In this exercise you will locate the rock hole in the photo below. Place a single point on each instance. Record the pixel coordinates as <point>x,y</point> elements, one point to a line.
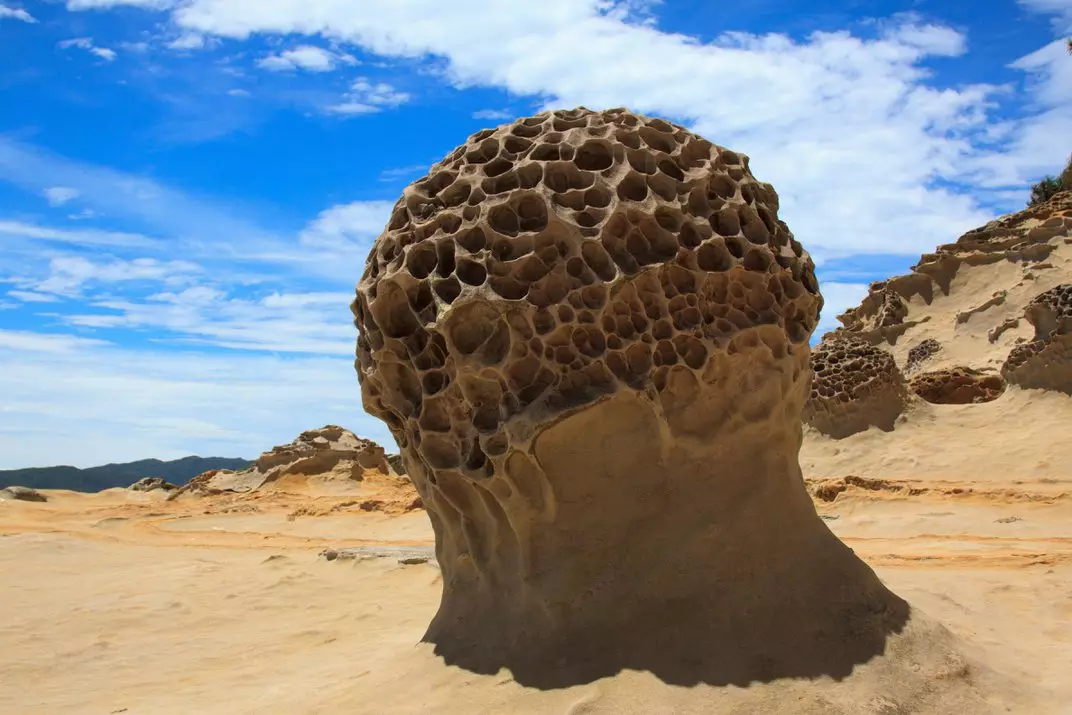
<point>504,220</point>
<point>471,273</point>
<point>448,289</point>
<point>633,188</point>
<point>420,260</point>
<point>593,156</point>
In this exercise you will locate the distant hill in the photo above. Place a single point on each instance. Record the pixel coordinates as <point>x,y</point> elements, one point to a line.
<point>94,479</point>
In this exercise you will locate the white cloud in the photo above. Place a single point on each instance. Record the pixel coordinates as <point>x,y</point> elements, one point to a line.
<point>68,274</point>
<point>366,97</point>
<point>27,296</point>
<point>1060,9</point>
<point>312,323</point>
<point>59,195</point>
<point>86,43</point>
<point>85,237</point>
<point>84,402</point>
<point>35,342</point>
<point>493,114</point>
<point>306,57</point>
<point>238,92</point>
<point>16,13</point>
<point>188,41</point>
<point>819,117</point>
<point>348,228</point>
<point>104,4</point>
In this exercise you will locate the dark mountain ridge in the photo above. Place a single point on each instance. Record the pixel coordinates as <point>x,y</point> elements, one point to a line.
<point>94,479</point>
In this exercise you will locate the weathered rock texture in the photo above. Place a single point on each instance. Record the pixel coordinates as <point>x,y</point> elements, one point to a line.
<point>1046,361</point>
<point>22,494</point>
<point>957,386</point>
<point>1027,236</point>
<point>855,385</point>
<point>921,353</point>
<point>330,449</point>
<point>588,333</point>
<point>148,484</point>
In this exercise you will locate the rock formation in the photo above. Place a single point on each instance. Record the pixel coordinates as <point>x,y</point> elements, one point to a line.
<point>1046,361</point>
<point>588,333</point>
<point>22,494</point>
<point>148,484</point>
<point>854,386</point>
<point>957,386</point>
<point>1029,236</point>
<point>330,449</point>
<point>922,352</point>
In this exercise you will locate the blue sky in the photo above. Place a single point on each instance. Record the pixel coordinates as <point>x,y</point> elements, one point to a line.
<point>188,188</point>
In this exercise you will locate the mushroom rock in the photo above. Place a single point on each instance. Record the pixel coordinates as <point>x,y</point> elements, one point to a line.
<point>588,333</point>
<point>855,386</point>
<point>1046,361</point>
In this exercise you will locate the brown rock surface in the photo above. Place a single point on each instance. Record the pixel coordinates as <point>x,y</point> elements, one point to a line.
<point>854,386</point>
<point>957,386</point>
<point>588,332</point>
<point>1046,361</point>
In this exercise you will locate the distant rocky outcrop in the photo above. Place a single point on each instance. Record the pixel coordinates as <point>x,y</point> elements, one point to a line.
<point>1028,237</point>
<point>22,494</point>
<point>108,476</point>
<point>330,449</point>
<point>148,484</point>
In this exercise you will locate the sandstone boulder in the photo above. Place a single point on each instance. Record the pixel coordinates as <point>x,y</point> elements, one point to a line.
<point>1046,361</point>
<point>22,494</point>
<point>588,333</point>
<point>855,386</point>
<point>148,484</point>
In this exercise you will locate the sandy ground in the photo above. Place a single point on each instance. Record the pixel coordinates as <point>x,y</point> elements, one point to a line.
<point>124,602</point>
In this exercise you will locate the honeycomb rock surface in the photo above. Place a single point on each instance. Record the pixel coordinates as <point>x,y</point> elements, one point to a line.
<point>957,386</point>
<point>922,352</point>
<point>1046,361</point>
<point>588,333</point>
<point>855,386</point>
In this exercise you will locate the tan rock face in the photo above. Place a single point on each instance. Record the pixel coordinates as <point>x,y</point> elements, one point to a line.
<point>328,449</point>
<point>1046,361</point>
<point>957,386</point>
<point>588,332</point>
<point>855,386</point>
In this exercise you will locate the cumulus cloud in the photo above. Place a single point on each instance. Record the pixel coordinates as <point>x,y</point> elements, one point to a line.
<point>16,13</point>
<point>844,127</point>
<point>306,57</point>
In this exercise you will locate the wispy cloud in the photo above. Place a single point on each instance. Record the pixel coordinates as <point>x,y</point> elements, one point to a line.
<point>493,114</point>
<point>86,43</point>
<point>366,97</point>
<point>16,13</point>
<point>59,195</point>
<point>86,237</point>
<point>306,57</point>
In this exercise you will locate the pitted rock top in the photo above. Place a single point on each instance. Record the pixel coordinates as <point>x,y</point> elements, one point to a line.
<point>547,262</point>
<point>1051,311</point>
<point>848,369</point>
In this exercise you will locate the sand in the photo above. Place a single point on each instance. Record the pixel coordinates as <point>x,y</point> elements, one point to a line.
<point>123,602</point>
